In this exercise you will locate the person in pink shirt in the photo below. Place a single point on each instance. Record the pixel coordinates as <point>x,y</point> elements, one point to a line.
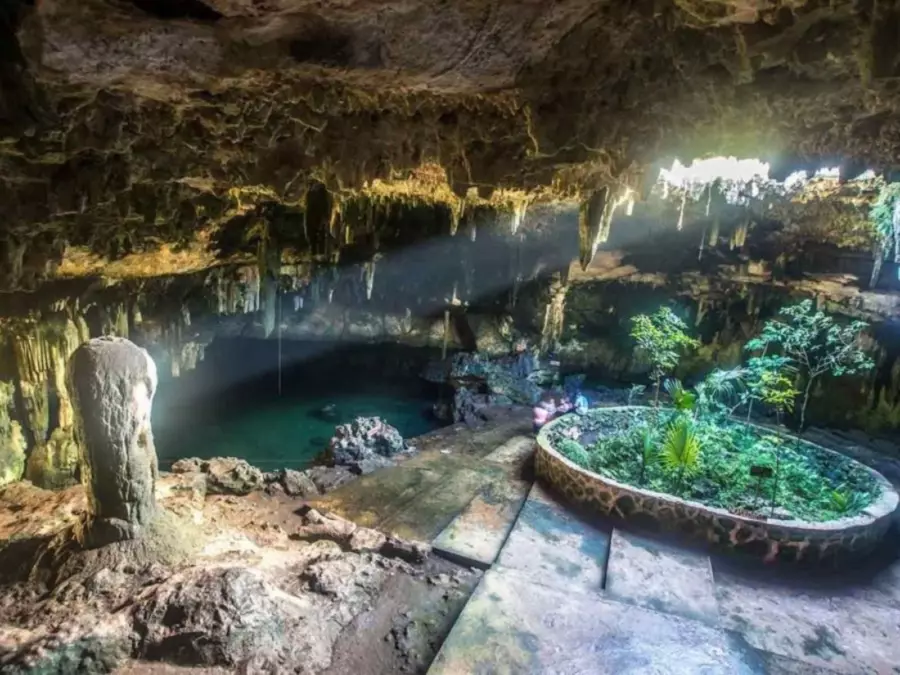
<point>543,412</point>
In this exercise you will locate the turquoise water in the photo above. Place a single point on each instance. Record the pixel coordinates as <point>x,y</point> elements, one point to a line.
<point>288,432</point>
<point>231,407</point>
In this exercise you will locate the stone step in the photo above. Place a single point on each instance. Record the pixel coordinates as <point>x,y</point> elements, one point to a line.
<point>552,546</point>
<point>648,573</point>
<point>513,625</point>
<point>475,536</point>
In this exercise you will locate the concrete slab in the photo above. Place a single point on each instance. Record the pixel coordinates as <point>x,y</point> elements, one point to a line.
<point>514,626</point>
<point>476,535</point>
<point>651,574</point>
<point>843,634</point>
<point>553,547</point>
<point>435,507</point>
<point>369,500</point>
<point>515,453</point>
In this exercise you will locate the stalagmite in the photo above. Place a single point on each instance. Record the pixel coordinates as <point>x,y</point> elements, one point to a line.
<point>112,383</point>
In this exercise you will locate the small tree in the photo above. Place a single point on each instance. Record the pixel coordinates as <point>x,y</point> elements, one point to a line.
<point>777,391</point>
<point>760,372</point>
<point>814,345</point>
<point>662,339</point>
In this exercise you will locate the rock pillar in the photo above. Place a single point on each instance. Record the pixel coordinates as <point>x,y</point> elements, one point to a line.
<point>112,382</point>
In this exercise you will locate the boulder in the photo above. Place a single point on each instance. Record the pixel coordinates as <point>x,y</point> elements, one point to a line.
<point>328,478</point>
<point>223,617</point>
<point>363,439</point>
<point>297,484</point>
<point>224,475</point>
<point>112,382</point>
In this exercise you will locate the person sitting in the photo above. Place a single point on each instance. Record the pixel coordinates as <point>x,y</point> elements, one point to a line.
<point>564,405</point>
<point>581,404</point>
<point>543,411</point>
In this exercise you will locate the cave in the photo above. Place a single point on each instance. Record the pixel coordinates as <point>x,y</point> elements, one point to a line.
<point>435,337</point>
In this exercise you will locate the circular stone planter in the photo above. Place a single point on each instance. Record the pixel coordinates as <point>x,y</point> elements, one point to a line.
<point>790,540</point>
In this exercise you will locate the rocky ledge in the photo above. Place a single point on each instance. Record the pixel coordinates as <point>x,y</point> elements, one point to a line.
<point>271,586</point>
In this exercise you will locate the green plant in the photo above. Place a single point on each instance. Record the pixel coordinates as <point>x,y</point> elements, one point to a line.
<point>680,453</point>
<point>682,399</point>
<point>635,391</point>
<point>844,501</point>
<point>814,345</point>
<point>760,371</point>
<point>574,451</point>
<point>661,337</point>
<point>721,391</point>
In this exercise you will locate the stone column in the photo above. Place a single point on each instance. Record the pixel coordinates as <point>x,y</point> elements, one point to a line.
<point>112,382</point>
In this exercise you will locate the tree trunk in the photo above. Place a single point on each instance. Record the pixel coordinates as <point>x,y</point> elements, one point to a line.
<point>806,393</point>
<point>877,263</point>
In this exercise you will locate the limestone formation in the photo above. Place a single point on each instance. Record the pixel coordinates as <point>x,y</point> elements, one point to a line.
<point>365,444</point>
<point>112,383</point>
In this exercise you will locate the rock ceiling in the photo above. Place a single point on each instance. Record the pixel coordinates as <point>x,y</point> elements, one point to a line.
<point>147,120</point>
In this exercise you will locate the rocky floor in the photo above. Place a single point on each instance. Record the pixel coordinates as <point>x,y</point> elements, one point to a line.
<point>277,582</point>
<point>261,594</point>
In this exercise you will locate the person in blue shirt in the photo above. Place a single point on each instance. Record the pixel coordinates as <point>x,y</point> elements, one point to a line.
<point>581,404</point>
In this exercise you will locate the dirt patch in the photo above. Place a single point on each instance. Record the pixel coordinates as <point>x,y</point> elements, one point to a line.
<point>405,630</point>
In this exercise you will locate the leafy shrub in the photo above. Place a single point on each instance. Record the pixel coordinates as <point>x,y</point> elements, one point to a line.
<point>717,455</point>
<point>574,451</point>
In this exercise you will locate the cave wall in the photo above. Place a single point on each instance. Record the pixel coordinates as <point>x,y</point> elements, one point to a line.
<point>406,276</point>
<point>596,340</point>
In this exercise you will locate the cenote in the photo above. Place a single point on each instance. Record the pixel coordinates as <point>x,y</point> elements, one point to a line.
<point>230,406</point>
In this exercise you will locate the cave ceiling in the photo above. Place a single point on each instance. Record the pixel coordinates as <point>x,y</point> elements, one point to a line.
<point>153,120</point>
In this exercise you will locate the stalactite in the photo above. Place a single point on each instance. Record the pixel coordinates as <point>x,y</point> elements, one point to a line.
<point>595,221</point>
<point>681,211</point>
<point>185,315</point>
<point>739,235</point>
<point>554,313</point>
<point>335,214</point>
<point>457,213</point>
<point>708,198</point>
<point>701,311</point>
<point>590,226</point>
<point>714,233</point>
<point>702,245</point>
<point>369,276</point>
<point>298,303</point>
<point>519,208</point>
<point>629,205</point>
<point>268,273</point>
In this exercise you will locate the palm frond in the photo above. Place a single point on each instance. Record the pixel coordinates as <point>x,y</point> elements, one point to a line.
<point>680,451</point>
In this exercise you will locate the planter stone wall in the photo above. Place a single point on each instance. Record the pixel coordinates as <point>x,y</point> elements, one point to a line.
<point>788,540</point>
